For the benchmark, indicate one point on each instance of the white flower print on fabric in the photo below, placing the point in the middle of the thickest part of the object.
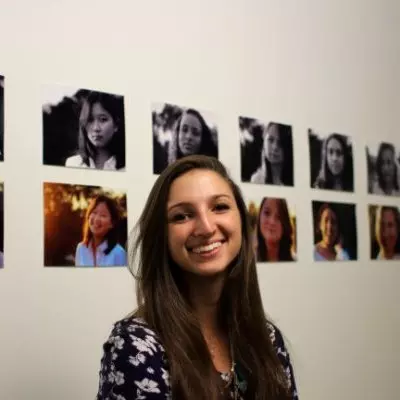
(147, 385)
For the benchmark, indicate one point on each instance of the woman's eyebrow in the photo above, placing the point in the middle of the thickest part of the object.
(188, 203)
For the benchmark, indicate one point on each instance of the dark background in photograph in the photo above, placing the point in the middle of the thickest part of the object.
(316, 143)
(372, 168)
(372, 220)
(164, 123)
(1, 118)
(347, 225)
(64, 212)
(252, 144)
(61, 127)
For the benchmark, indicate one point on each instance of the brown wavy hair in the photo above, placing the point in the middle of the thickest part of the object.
(163, 304)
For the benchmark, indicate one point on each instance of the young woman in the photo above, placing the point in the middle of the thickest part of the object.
(199, 331)
(276, 166)
(328, 248)
(387, 171)
(101, 133)
(192, 136)
(387, 232)
(336, 171)
(274, 231)
(99, 247)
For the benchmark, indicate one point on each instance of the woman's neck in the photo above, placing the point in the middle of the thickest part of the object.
(272, 251)
(276, 172)
(337, 183)
(204, 295)
(96, 241)
(100, 157)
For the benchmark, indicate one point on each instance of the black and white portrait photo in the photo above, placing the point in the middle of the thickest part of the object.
(335, 231)
(331, 161)
(1, 118)
(179, 132)
(83, 129)
(383, 166)
(266, 152)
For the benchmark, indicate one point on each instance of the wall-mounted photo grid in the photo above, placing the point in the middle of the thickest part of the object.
(331, 161)
(266, 150)
(181, 131)
(83, 128)
(383, 166)
(84, 225)
(335, 232)
(273, 223)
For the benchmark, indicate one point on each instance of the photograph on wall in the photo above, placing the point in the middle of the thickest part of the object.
(266, 150)
(84, 226)
(273, 223)
(83, 128)
(383, 167)
(180, 131)
(1, 118)
(335, 231)
(331, 159)
(1, 225)
(384, 232)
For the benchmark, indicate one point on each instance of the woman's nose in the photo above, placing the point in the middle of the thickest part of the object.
(205, 225)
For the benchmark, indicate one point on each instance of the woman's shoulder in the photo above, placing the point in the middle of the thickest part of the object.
(134, 363)
(74, 161)
(258, 176)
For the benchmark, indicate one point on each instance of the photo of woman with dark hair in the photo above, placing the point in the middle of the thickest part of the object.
(335, 161)
(99, 246)
(383, 170)
(101, 134)
(180, 132)
(85, 129)
(266, 152)
(84, 226)
(332, 241)
(274, 231)
(385, 232)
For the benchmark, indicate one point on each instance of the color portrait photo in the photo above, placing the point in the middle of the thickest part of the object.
(83, 128)
(179, 132)
(84, 226)
(384, 232)
(273, 223)
(266, 152)
(335, 231)
(383, 166)
(331, 161)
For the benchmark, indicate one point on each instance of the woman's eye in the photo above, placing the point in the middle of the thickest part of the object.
(221, 207)
(180, 217)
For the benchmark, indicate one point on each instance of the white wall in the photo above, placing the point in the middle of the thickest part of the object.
(331, 65)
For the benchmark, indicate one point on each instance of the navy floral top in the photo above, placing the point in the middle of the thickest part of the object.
(134, 365)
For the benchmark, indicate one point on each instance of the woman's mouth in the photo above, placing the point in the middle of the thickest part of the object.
(206, 248)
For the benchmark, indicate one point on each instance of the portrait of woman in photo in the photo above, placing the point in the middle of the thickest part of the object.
(181, 132)
(199, 331)
(385, 231)
(275, 160)
(335, 163)
(101, 134)
(274, 231)
(83, 128)
(384, 174)
(329, 236)
(99, 246)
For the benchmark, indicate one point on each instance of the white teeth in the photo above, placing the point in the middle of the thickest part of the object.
(209, 247)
